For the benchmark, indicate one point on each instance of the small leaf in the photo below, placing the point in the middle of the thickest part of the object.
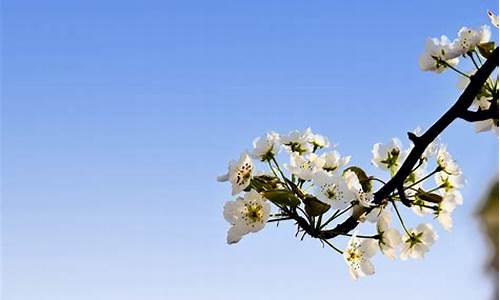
(364, 180)
(429, 197)
(282, 197)
(295, 189)
(314, 207)
(264, 183)
(486, 49)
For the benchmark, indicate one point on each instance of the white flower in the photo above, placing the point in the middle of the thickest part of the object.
(297, 141)
(374, 214)
(449, 182)
(266, 147)
(448, 204)
(482, 102)
(486, 125)
(389, 238)
(239, 173)
(333, 161)
(418, 242)
(446, 161)
(364, 198)
(388, 156)
(357, 256)
(248, 214)
(446, 207)
(319, 141)
(305, 167)
(453, 199)
(493, 18)
(419, 207)
(469, 38)
(437, 52)
(332, 189)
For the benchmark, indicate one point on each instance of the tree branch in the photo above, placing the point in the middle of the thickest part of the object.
(458, 110)
(480, 115)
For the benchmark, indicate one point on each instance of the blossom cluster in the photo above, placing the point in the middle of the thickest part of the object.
(317, 184)
(475, 45)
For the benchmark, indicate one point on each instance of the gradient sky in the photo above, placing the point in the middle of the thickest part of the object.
(118, 115)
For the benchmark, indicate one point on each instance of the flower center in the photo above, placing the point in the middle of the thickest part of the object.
(392, 157)
(253, 213)
(332, 192)
(244, 173)
(414, 239)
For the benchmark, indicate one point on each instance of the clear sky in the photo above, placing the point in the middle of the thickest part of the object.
(118, 116)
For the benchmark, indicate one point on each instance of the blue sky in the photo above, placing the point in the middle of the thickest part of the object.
(118, 115)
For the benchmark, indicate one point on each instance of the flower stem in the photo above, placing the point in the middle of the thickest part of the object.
(399, 217)
(272, 169)
(473, 60)
(423, 178)
(333, 247)
(337, 214)
(454, 69)
(375, 237)
(280, 219)
(281, 172)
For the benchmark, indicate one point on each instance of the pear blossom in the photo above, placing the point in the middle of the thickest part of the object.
(418, 241)
(364, 198)
(446, 162)
(419, 207)
(486, 125)
(266, 147)
(469, 38)
(449, 182)
(389, 238)
(438, 53)
(374, 214)
(453, 198)
(493, 18)
(304, 167)
(246, 214)
(318, 141)
(388, 156)
(357, 256)
(332, 189)
(443, 214)
(333, 160)
(299, 142)
(239, 173)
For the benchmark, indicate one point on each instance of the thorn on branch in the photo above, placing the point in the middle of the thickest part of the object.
(413, 137)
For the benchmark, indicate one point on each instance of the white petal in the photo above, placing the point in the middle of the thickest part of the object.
(234, 234)
(367, 268)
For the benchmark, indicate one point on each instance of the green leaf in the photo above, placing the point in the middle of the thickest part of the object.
(364, 180)
(486, 49)
(264, 183)
(282, 197)
(314, 207)
(295, 189)
(429, 197)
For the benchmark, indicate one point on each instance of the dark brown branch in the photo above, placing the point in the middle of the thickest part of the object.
(458, 110)
(480, 115)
